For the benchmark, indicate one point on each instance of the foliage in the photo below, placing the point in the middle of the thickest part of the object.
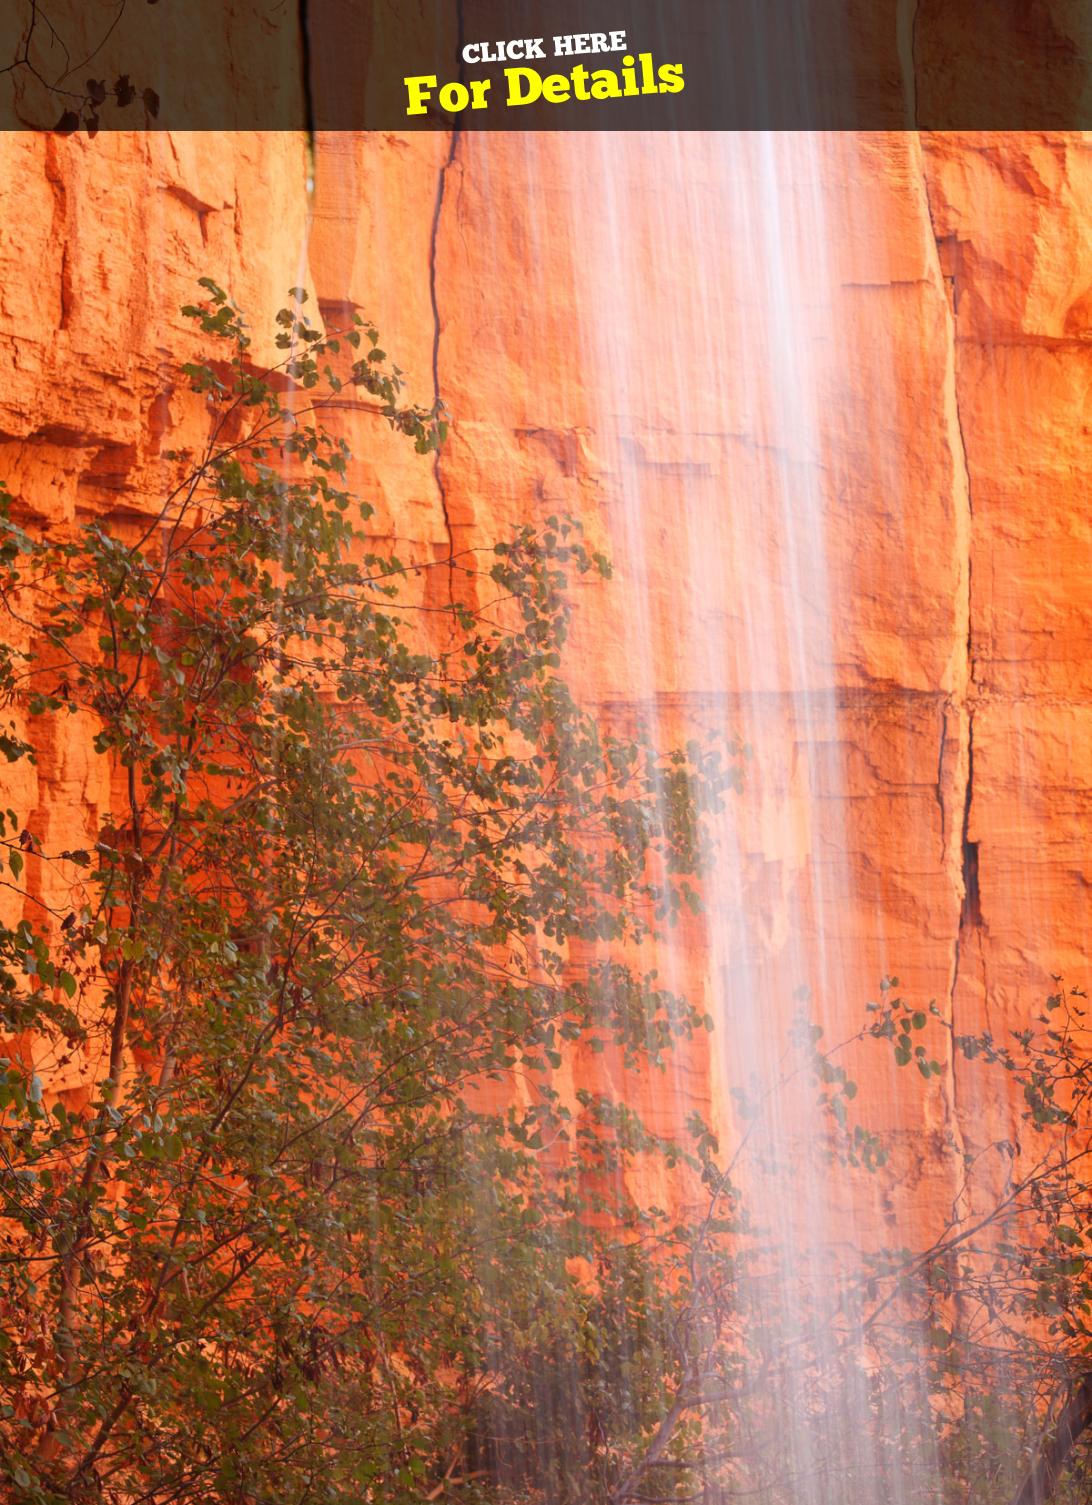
(1003, 1295)
(293, 1206)
(42, 54)
(953, 1367)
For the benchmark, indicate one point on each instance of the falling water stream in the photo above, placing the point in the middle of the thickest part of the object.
(755, 614)
(705, 359)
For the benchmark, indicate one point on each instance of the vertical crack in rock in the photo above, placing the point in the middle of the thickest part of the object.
(906, 41)
(938, 790)
(955, 768)
(65, 289)
(307, 84)
(438, 468)
(971, 911)
(55, 176)
(441, 188)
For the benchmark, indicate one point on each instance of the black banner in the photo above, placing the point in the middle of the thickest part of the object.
(410, 65)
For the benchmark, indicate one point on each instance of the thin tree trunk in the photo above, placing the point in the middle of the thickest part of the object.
(1055, 1449)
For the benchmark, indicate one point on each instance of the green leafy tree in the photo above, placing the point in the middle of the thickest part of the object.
(318, 1224)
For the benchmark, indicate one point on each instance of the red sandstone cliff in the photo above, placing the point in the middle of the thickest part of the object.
(935, 822)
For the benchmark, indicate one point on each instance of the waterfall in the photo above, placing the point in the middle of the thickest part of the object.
(733, 357)
(723, 455)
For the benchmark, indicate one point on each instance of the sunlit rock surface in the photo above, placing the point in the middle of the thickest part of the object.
(825, 403)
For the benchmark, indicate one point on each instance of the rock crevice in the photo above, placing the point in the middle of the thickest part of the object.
(434, 239)
(956, 793)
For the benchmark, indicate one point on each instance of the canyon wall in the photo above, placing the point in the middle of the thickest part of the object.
(919, 795)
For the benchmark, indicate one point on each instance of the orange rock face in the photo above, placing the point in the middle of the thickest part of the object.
(823, 400)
